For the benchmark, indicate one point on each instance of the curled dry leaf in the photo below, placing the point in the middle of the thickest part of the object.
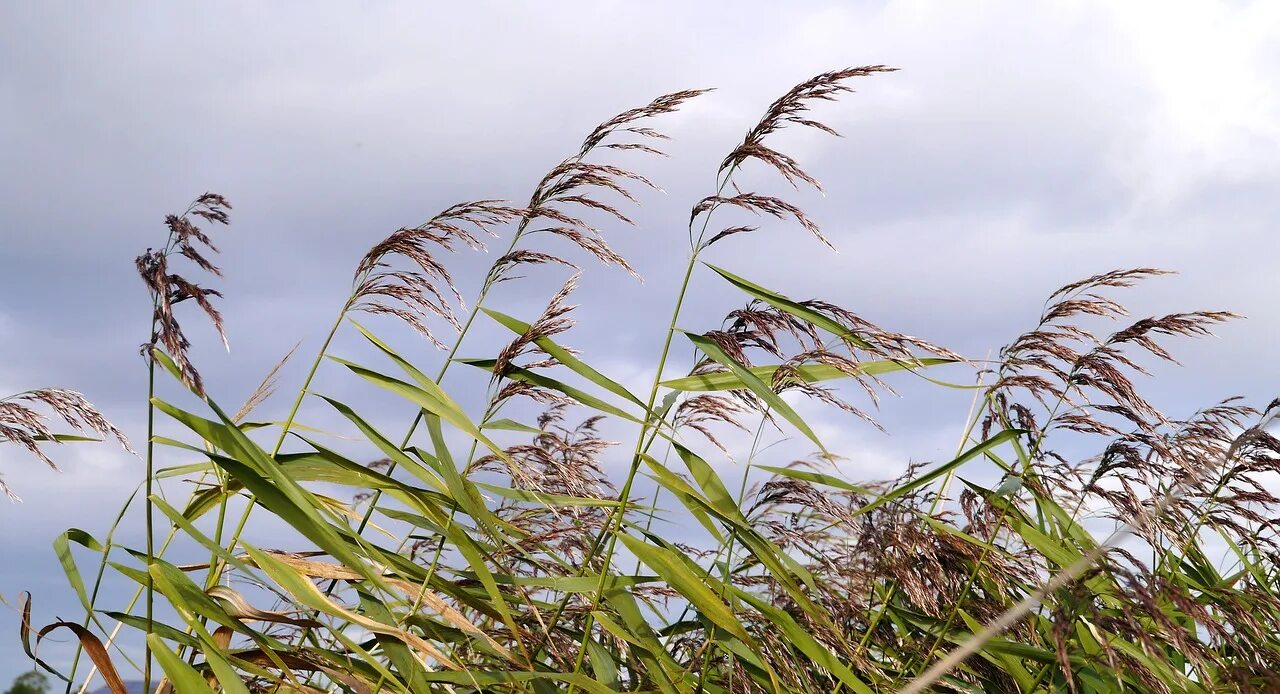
(91, 644)
(242, 610)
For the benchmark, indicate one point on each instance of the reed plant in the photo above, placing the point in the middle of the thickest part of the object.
(1079, 539)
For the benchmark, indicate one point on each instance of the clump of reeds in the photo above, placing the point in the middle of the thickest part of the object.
(513, 545)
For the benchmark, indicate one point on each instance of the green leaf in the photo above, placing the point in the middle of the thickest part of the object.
(687, 495)
(799, 637)
(567, 584)
(510, 425)
(432, 400)
(545, 499)
(397, 652)
(195, 534)
(756, 386)
(62, 548)
(717, 495)
(637, 631)
(188, 598)
(580, 396)
(306, 593)
(184, 677)
(269, 483)
(564, 356)
(809, 373)
(491, 678)
(602, 664)
(693, 587)
(388, 448)
(68, 438)
(779, 564)
(165, 631)
(1009, 663)
(1002, 437)
(798, 310)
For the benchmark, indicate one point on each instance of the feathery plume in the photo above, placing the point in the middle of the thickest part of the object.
(553, 321)
(417, 294)
(790, 108)
(168, 289)
(577, 183)
(23, 424)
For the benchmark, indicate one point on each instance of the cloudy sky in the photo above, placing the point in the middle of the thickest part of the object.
(1021, 146)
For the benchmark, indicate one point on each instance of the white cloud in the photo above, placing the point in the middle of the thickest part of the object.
(1216, 111)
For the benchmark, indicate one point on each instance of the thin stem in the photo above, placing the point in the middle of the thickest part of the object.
(97, 582)
(284, 433)
(137, 595)
(728, 547)
(616, 516)
(615, 519)
(151, 417)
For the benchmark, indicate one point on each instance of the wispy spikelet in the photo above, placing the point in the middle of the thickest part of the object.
(772, 323)
(560, 460)
(266, 388)
(594, 245)
(863, 335)
(758, 204)
(1114, 278)
(576, 183)
(790, 109)
(851, 552)
(553, 321)
(702, 411)
(417, 294)
(667, 103)
(524, 257)
(787, 378)
(542, 396)
(1219, 463)
(729, 231)
(167, 288)
(1064, 366)
(796, 342)
(23, 424)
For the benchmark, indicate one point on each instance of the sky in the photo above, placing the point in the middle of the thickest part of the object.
(1020, 146)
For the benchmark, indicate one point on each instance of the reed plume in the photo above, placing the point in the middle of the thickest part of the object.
(22, 422)
(417, 294)
(167, 288)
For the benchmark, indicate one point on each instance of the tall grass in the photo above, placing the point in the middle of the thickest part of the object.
(506, 547)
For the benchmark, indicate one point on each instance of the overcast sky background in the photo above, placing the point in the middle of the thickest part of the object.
(1022, 146)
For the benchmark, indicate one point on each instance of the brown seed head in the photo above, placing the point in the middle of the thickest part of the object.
(168, 288)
